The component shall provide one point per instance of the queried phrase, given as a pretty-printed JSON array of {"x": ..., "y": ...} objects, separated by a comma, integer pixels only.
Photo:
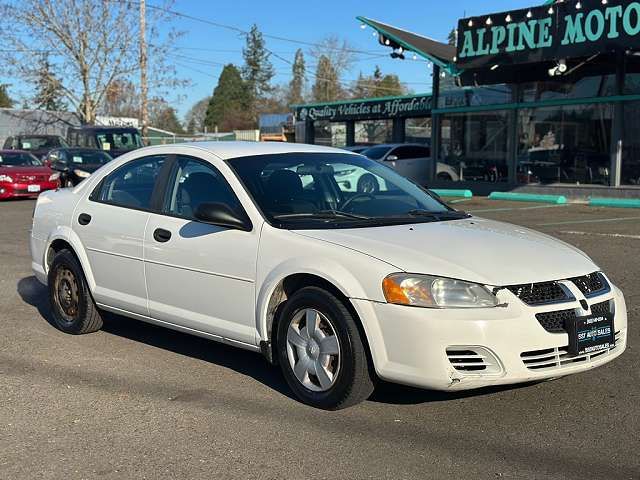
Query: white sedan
[{"x": 339, "y": 288}]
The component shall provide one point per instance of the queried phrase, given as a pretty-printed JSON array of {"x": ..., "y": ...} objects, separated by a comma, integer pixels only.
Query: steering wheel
[{"x": 355, "y": 197}]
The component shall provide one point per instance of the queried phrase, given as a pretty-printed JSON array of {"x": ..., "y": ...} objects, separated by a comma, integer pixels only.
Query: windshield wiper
[
  {"x": 322, "y": 215},
  {"x": 438, "y": 215}
]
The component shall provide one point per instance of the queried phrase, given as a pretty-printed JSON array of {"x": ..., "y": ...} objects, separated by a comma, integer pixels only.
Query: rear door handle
[
  {"x": 161, "y": 235},
  {"x": 84, "y": 219}
]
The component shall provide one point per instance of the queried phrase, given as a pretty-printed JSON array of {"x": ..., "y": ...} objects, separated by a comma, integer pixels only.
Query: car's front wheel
[
  {"x": 321, "y": 352},
  {"x": 73, "y": 308}
]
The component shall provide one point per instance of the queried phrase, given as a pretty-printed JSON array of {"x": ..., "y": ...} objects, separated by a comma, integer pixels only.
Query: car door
[
  {"x": 111, "y": 224},
  {"x": 200, "y": 276},
  {"x": 411, "y": 162}
]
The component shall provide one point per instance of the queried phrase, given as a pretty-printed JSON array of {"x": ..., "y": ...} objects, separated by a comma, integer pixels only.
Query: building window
[
  {"x": 630, "y": 172},
  {"x": 568, "y": 144},
  {"x": 418, "y": 130},
  {"x": 372, "y": 132},
  {"x": 586, "y": 87},
  {"x": 474, "y": 147},
  {"x": 330, "y": 134},
  {"x": 457, "y": 97}
]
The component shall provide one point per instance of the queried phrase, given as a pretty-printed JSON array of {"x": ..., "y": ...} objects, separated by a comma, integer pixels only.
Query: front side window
[
  {"x": 194, "y": 183},
  {"x": 132, "y": 184},
  {"x": 329, "y": 190}
]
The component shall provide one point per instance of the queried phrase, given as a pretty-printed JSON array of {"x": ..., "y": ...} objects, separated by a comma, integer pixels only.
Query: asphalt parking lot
[{"x": 138, "y": 401}]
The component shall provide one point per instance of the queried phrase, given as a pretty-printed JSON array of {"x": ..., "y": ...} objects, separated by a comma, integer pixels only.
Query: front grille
[
  {"x": 539, "y": 293},
  {"x": 590, "y": 285},
  {"x": 544, "y": 293},
  {"x": 554, "y": 322},
  {"x": 558, "y": 358}
]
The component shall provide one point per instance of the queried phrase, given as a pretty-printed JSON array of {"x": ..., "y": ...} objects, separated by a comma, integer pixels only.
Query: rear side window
[{"x": 132, "y": 184}]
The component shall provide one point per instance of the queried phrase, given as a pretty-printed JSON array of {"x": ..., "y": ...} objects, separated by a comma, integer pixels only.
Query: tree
[
  {"x": 229, "y": 107},
  {"x": 327, "y": 85},
  {"x": 295, "y": 96},
  {"x": 197, "y": 114},
  {"x": 95, "y": 43},
  {"x": 5, "y": 100},
  {"x": 339, "y": 53},
  {"x": 378, "y": 85},
  {"x": 257, "y": 71},
  {"x": 48, "y": 95},
  {"x": 121, "y": 99},
  {"x": 167, "y": 119}
]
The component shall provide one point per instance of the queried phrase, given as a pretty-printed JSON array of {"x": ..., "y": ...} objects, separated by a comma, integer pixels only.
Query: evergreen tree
[
  {"x": 5, "y": 100},
  {"x": 229, "y": 107},
  {"x": 48, "y": 94},
  {"x": 378, "y": 85},
  {"x": 327, "y": 85},
  {"x": 257, "y": 71},
  {"x": 296, "y": 85}
]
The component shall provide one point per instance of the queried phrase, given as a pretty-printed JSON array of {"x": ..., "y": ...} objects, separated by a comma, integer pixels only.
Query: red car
[{"x": 24, "y": 176}]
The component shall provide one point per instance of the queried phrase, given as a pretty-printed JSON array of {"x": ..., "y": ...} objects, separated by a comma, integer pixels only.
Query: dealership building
[{"x": 544, "y": 99}]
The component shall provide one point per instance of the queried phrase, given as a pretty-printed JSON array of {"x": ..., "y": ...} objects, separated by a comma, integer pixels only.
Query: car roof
[
  {"x": 101, "y": 128},
  {"x": 229, "y": 150},
  {"x": 14, "y": 152},
  {"x": 393, "y": 145}
]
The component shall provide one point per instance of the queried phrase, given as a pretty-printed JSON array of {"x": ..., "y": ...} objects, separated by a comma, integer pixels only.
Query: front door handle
[
  {"x": 84, "y": 219},
  {"x": 161, "y": 235}
]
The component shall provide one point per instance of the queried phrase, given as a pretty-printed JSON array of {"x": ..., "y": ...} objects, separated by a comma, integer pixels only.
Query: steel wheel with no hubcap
[
  {"x": 66, "y": 297},
  {"x": 313, "y": 350}
]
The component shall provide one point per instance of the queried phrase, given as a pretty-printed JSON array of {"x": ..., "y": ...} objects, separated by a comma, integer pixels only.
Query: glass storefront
[
  {"x": 330, "y": 134},
  {"x": 630, "y": 171},
  {"x": 568, "y": 144},
  {"x": 474, "y": 146},
  {"x": 372, "y": 132},
  {"x": 418, "y": 130},
  {"x": 587, "y": 87}
]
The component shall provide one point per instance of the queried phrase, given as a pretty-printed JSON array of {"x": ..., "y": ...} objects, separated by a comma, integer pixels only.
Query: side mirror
[
  {"x": 60, "y": 166},
  {"x": 391, "y": 158},
  {"x": 221, "y": 215}
]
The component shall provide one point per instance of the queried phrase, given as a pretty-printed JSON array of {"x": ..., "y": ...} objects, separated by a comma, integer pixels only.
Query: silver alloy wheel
[{"x": 313, "y": 350}]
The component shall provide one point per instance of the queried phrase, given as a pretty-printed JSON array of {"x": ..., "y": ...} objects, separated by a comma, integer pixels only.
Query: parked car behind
[
  {"x": 113, "y": 140},
  {"x": 23, "y": 175},
  {"x": 76, "y": 164},
  {"x": 38, "y": 145},
  {"x": 410, "y": 160}
]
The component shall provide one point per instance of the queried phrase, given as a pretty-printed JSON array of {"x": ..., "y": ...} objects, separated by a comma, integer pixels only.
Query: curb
[
  {"x": 615, "y": 202},
  {"x": 452, "y": 193},
  {"x": 529, "y": 197}
]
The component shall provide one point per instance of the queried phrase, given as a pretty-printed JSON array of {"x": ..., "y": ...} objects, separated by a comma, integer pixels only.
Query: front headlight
[
  {"x": 344, "y": 173},
  {"x": 54, "y": 177},
  {"x": 82, "y": 173},
  {"x": 435, "y": 292},
  {"x": 6, "y": 178}
]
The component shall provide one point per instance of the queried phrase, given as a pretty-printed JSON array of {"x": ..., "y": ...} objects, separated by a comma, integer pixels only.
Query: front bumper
[
  {"x": 427, "y": 347},
  {"x": 21, "y": 190}
]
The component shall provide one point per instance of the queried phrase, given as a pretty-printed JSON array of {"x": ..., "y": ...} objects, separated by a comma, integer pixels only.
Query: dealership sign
[
  {"x": 569, "y": 29},
  {"x": 366, "y": 109}
]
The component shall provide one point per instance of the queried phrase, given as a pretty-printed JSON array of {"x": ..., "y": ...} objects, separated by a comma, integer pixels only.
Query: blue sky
[{"x": 311, "y": 21}]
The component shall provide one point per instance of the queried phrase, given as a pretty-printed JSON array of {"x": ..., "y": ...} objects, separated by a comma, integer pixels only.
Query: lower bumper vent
[{"x": 473, "y": 360}]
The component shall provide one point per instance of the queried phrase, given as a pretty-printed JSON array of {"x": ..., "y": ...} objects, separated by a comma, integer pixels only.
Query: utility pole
[{"x": 144, "y": 102}]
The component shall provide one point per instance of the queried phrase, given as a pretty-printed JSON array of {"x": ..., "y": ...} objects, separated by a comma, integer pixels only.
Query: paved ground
[{"x": 136, "y": 401}]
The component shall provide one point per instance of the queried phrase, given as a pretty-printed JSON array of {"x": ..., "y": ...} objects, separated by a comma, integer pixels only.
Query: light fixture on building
[
  {"x": 363, "y": 26},
  {"x": 578, "y": 5},
  {"x": 494, "y": 67},
  {"x": 489, "y": 21},
  {"x": 470, "y": 23},
  {"x": 550, "y": 10},
  {"x": 508, "y": 19},
  {"x": 529, "y": 14},
  {"x": 415, "y": 57}
]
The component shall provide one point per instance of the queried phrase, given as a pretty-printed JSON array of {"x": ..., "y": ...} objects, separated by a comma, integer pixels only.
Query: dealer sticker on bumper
[
  {"x": 591, "y": 334},
  {"x": 33, "y": 188}
]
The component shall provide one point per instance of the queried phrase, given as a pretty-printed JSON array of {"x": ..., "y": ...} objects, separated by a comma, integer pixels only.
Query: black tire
[
  {"x": 355, "y": 379},
  {"x": 368, "y": 184},
  {"x": 72, "y": 306},
  {"x": 444, "y": 176},
  {"x": 68, "y": 183}
]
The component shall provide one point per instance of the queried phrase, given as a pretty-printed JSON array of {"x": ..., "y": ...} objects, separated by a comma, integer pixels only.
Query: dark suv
[
  {"x": 37, "y": 145},
  {"x": 113, "y": 140}
]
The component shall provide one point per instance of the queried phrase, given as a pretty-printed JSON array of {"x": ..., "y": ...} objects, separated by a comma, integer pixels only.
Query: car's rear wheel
[
  {"x": 73, "y": 308},
  {"x": 321, "y": 352}
]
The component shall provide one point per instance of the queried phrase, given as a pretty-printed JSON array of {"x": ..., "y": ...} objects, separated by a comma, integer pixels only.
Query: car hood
[
  {"x": 474, "y": 249},
  {"x": 18, "y": 170},
  {"x": 87, "y": 167}
]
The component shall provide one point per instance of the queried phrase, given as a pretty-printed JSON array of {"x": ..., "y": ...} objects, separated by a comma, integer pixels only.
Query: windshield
[
  {"x": 40, "y": 143},
  {"x": 119, "y": 140},
  {"x": 19, "y": 160},
  {"x": 318, "y": 190},
  {"x": 376, "y": 153},
  {"x": 88, "y": 158}
]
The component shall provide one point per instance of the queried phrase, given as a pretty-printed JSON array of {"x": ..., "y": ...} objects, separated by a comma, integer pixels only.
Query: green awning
[{"x": 439, "y": 53}]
